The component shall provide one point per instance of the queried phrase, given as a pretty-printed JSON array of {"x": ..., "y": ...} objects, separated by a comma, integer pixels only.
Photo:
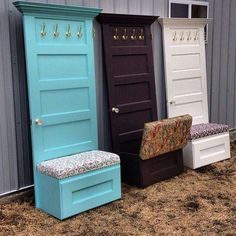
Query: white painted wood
[
  {"x": 185, "y": 68},
  {"x": 204, "y": 151},
  {"x": 186, "y": 86}
]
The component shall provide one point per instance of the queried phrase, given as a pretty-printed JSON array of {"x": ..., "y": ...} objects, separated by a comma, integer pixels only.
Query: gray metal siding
[
  {"x": 8, "y": 157},
  {"x": 15, "y": 154}
]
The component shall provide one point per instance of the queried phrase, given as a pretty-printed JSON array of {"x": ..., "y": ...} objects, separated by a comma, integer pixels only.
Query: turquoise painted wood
[
  {"x": 79, "y": 193},
  {"x": 62, "y": 99}
]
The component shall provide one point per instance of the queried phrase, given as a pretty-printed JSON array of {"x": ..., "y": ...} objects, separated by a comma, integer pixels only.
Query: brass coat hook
[
  {"x": 141, "y": 36},
  {"x": 133, "y": 36},
  {"x": 174, "y": 38},
  {"x": 79, "y": 33},
  {"x": 116, "y": 36},
  {"x": 124, "y": 36},
  {"x": 196, "y": 36},
  {"x": 189, "y": 38},
  {"x": 68, "y": 32},
  {"x": 43, "y": 32},
  {"x": 182, "y": 36},
  {"x": 56, "y": 33}
]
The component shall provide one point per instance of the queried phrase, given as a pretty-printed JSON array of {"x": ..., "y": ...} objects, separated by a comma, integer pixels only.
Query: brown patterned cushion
[{"x": 164, "y": 136}]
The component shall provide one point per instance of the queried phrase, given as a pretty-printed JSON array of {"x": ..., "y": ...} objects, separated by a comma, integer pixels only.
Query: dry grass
[{"x": 201, "y": 202}]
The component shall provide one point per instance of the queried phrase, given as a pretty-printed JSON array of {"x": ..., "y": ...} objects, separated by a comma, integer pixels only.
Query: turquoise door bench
[{"x": 62, "y": 101}]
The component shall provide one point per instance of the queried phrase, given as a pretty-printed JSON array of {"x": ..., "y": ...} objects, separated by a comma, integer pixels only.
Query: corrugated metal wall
[
  {"x": 221, "y": 62},
  {"x": 15, "y": 161}
]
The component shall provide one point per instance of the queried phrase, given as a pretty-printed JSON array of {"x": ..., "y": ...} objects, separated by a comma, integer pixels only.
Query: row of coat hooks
[
  {"x": 183, "y": 36},
  {"x": 134, "y": 36},
  {"x": 56, "y": 32}
]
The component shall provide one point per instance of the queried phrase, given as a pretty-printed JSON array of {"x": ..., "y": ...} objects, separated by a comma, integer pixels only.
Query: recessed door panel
[
  {"x": 185, "y": 62},
  {"x": 133, "y": 120},
  {"x": 129, "y": 64},
  {"x": 62, "y": 66},
  {"x": 64, "y": 100},
  {"x": 187, "y": 86},
  {"x": 132, "y": 93},
  {"x": 66, "y": 134}
]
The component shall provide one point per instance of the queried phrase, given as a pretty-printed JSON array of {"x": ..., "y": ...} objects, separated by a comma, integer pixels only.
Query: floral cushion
[
  {"x": 204, "y": 130},
  {"x": 64, "y": 167},
  {"x": 164, "y": 136}
]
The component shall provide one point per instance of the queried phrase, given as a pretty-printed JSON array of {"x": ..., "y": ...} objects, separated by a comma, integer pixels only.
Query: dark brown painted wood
[
  {"x": 127, "y": 45},
  {"x": 140, "y": 173}
]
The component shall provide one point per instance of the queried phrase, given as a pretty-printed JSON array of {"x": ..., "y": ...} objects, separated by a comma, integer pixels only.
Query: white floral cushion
[
  {"x": 67, "y": 166},
  {"x": 208, "y": 129}
]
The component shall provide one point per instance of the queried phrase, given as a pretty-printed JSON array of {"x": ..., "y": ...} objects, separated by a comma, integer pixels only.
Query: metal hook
[
  {"x": 174, "y": 39},
  {"x": 116, "y": 36},
  {"x": 56, "y": 33},
  {"x": 124, "y": 36},
  {"x": 189, "y": 38},
  {"x": 196, "y": 36},
  {"x": 79, "y": 34},
  {"x": 133, "y": 36},
  {"x": 68, "y": 32},
  {"x": 182, "y": 36},
  {"x": 43, "y": 32},
  {"x": 141, "y": 36}
]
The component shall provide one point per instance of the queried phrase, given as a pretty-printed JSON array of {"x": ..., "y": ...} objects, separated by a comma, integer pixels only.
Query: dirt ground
[{"x": 201, "y": 202}]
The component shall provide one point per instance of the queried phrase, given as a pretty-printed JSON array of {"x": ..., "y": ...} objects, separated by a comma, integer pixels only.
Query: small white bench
[{"x": 208, "y": 143}]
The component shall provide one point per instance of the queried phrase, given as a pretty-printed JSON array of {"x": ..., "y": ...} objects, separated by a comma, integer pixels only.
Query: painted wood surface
[
  {"x": 15, "y": 153},
  {"x": 61, "y": 81},
  {"x": 128, "y": 63},
  {"x": 185, "y": 68}
]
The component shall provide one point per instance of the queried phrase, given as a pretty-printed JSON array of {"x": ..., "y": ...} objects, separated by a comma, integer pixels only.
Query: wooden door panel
[
  {"x": 129, "y": 64},
  {"x": 133, "y": 120},
  {"x": 129, "y": 50},
  {"x": 130, "y": 77},
  {"x": 133, "y": 92}
]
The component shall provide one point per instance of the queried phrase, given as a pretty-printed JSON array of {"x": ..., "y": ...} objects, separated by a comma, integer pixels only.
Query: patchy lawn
[{"x": 194, "y": 203}]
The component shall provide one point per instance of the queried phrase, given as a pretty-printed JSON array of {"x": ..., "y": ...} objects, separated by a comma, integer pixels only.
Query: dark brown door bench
[{"x": 128, "y": 57}]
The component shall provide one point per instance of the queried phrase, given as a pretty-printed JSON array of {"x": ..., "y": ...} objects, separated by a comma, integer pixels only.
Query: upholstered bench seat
[
  {"x": 64, "y": 167},
  {"x": 208, "y": 129}
]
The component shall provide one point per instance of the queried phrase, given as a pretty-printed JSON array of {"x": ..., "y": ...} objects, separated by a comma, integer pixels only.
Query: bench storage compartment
[
  {"x": 63, "y": 198},
  {"x": 142, "y": 173},
  {"x": 204, "y": 151},
  {"x": 76, "y": 183},
  {"x": 160, "y": 155}
]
